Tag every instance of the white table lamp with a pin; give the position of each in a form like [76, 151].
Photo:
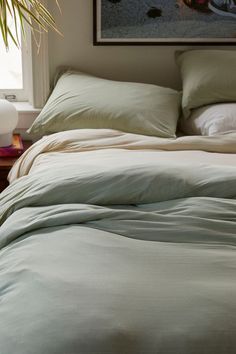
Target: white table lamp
[8, 122]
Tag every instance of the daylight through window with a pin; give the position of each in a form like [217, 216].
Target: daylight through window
[10, 67]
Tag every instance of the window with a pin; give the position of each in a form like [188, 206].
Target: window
[24, 73]
[10, 68]
[13, 80]
[13, 73]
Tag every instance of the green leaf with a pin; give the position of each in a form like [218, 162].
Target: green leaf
[30, 13]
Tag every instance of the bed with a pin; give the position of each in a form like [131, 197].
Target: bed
[120, 241]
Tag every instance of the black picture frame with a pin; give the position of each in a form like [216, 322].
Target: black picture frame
[99, 41]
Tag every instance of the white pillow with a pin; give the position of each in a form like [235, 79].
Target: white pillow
[210, 120]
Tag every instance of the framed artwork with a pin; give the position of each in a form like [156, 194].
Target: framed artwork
[160, 22]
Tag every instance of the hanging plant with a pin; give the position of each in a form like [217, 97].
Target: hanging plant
[23, 13]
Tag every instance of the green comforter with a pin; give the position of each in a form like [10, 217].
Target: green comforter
[118, 250]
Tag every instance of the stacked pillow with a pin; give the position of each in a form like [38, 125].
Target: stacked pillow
[81, 101]
[209, 84]
[210, 120]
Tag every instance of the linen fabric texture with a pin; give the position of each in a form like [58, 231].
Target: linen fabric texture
[208, 77]
[81, 101]
[211, 120]
[123, 243]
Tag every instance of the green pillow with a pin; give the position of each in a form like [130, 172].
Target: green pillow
[82, 101]
[209, 76]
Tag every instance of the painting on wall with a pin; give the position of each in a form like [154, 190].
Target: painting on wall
[164, 22]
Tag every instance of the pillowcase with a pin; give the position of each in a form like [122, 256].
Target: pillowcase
[82, 101]
[209, 76]
[211, 120]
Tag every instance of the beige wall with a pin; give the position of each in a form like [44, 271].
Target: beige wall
[154, 64]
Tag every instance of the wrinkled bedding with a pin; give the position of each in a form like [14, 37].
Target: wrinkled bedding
[120, 243]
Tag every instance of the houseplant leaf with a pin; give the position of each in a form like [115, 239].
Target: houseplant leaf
[21, 13]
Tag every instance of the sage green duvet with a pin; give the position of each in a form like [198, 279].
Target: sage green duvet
[115, 243]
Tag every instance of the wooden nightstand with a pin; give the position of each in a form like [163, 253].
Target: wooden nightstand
[6, 164]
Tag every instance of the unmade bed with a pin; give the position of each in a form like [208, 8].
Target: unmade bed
[120, 243]
[117, 236]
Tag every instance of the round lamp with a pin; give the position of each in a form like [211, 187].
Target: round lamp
[8, 122]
